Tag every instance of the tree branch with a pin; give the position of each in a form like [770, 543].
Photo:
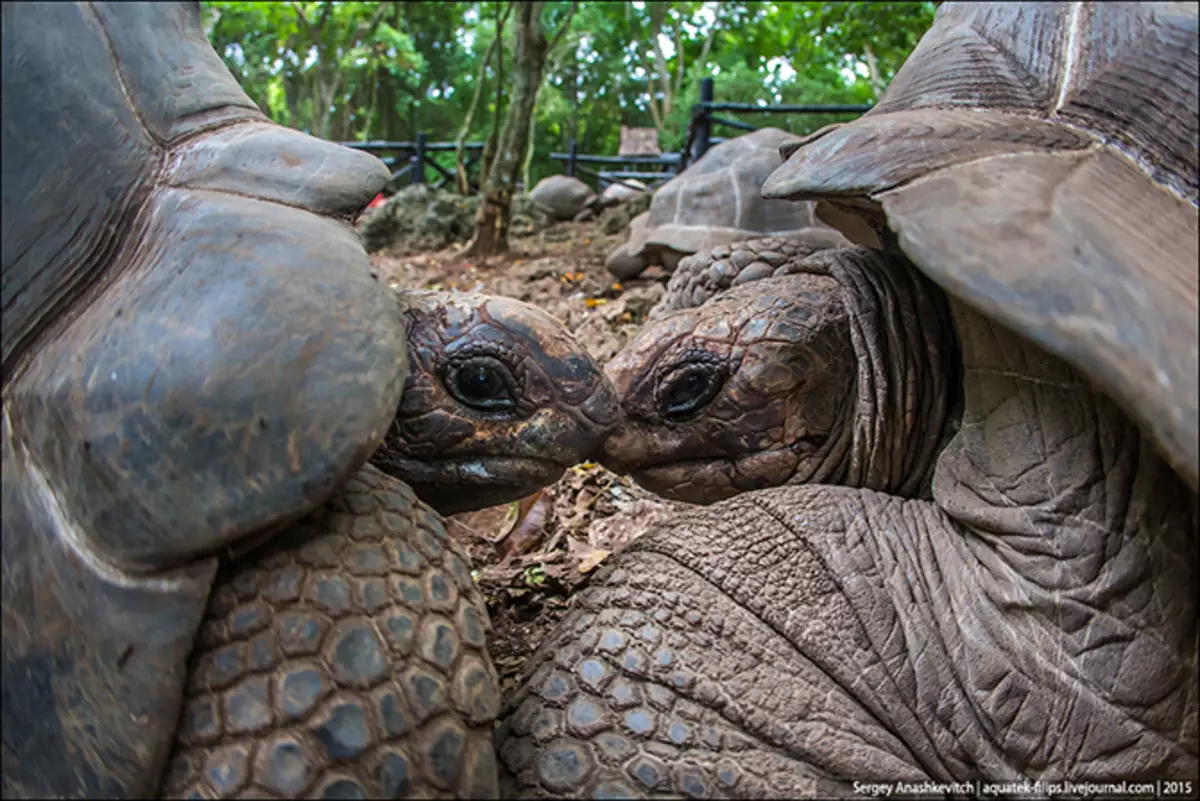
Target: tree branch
[301, 15]
[375, 22]
[873, 70]
[679, 67]
[654, 113]
[566, 23]
[712, 34]
[658, 12]
[464, 185]
[326, 10]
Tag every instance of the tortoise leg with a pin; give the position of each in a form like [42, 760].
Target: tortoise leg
[343, 659]
[718, 657]
[788, 642]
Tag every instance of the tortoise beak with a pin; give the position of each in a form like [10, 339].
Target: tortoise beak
[616, 449]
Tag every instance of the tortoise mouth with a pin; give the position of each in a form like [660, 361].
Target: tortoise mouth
[467, 483]
[707, 479]
[699, 480]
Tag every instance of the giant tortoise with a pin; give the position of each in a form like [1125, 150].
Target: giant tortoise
[1035, 617]
[198, 362]
[715, 201]
[562, 196]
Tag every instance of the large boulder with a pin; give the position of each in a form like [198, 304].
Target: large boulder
[421, 218]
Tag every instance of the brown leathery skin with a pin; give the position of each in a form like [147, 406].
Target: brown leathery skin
[345, 656]
[1035, 621]
[838, 370]
[781, 353]
[557, 408]
[1025, 151]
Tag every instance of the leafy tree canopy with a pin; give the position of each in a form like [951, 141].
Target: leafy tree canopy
[385, 70]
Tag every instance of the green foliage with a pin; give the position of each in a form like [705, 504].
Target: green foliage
[384, 70]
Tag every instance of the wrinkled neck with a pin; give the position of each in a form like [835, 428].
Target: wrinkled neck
[907, 389]
[1051, 477]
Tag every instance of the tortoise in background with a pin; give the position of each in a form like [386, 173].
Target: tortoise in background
[562, 197]
[197, 358]
[1035, 618]
[715, 201]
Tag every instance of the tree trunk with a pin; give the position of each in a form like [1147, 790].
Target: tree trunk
[527, 162]
[460, 168]
[658, 15]
[529, 58]
[291, 94]
[372, 104]
[493, 140]
[572, 131]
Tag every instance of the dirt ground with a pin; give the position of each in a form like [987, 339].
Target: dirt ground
[531, 556]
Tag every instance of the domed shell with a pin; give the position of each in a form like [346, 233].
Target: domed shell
[194, 350]
[1039, 161]
[561, 196]
[716, 201]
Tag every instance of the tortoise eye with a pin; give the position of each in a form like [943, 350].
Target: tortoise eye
[482, 383]
[689, 390]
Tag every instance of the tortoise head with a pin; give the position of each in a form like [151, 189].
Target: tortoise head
[791, 379]
[499, 401]
[753, 389]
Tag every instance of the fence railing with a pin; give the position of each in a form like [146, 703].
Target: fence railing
[699, 138]
[573, 159]
[418, 156]
[698, 141]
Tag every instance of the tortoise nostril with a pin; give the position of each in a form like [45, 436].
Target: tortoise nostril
[603, 408]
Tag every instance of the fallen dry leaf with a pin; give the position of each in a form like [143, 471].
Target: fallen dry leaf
[530, 529]
[592, 560]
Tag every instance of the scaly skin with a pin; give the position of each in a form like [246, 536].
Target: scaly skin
[709, 272]
[197, 357]
[1035, 620]
[500, 399]
[347, 653]
[837, 370]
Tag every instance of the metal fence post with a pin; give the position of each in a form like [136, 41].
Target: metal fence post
[704, 124]
[571, 158]
[418, 175]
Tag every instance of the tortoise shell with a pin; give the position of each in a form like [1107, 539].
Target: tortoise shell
[1039, 162]
[715, 201]
[194, 351]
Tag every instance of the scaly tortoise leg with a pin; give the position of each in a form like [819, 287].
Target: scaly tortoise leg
[346, 658]
[718, 657]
